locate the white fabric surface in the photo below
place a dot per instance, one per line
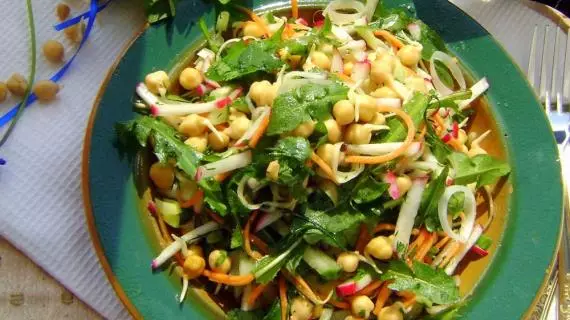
(41, 206)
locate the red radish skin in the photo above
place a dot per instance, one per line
(351, 287)
(446, 138)
(479, 251)
(455, 129)
(151, 206)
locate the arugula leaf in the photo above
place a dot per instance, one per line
(482, 169)
(236, 240)
(429, 285)
(430, 199)
(267, 267)
(168, 145)
(274, 312)
(295, 259)
(314, 101)
(292, 147)
(368, 189)
(415, 108)
(430, 40)
(215, 41)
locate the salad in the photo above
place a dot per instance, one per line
(318, 165)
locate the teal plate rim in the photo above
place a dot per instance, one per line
(530, 240)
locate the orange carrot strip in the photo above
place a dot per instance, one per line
(222, 176)
(196, 197)
(422, 133)
(409, 302)
(344, 77)
(381, 299)
(214, 216)
(259, 132)
(233, 280)
(396, 153)
(255, 293)
(255, 18)
(438, 120)
(283, 297)
(262, 246)
(419, 240)
(455, 144)
(324, 166)
(294, 9)
(452, 252)
(363, 238)
(246, 240)
(425, 247)
(384, 227)
(395, 42)
(340, 304)
(442, 242)
(406, 294)
(371, 288)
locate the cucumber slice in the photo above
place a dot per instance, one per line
(170, 211)
(322, 263)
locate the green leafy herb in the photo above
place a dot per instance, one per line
(267, 268)
(236, 240)
(430, 199)
(320, 134)
(415, 108)
(214, 40)
(481, 169)
(455, 205)
(368, 189)
(292, 147)
(484, 242)
(430, 40)
(429, 285)
(312, 101)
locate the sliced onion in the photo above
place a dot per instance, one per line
(148, 97)
(354, 45)
(469, 208)
(360, 71)
(475, 234)
(337, 65)
(389, 102)
(342, 35)
(264, 113)
(224, 45)
(241, 196)
(376, 149)
(182, 109)
(249, 103)
(401, 90)
(184, 289)
(339, 18)
(450, 63)
(230, 163)
(408, 213)
(476, 90)
(370, 8)
(206, 54)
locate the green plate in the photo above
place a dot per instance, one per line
(529, 242)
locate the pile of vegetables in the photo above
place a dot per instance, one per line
(318, 169)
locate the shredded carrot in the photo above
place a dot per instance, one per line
(425, 247)
(214, 216)
(419, 240)
(222, 176)
(344, 77)
(324, 166)
(409, 302)
(232, 280)
(452, 252)
(396, 153)
(371, 288)
(255, 18)
(262, 246)
(283, 297)
(422, 133)
(255, 293)
(246, 240)
(259, 132)
(395, 42)
(288, 32)
(382, 298)
(221, 126)
(406, 294)
(363, 238)
(294, 9)
(340, 304)
(455, 144)
(384, 227)
(196, 197)
(439, 121)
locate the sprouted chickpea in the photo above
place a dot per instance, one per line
(362, 306)
(3, 91)
(253, 29)
(17, 84)
(390, 313)
(219, 261)
(62, 11)
(380, 248)
(75, 32)
(45, 90)
(348, 261)
(301, 309)
(190, 78)
(162, 175)
(53, 51)
(194, 265)
(157, 82)
(343, 112)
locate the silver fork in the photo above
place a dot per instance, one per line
(559, 117)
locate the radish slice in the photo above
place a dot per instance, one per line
(389, 102)
(189, 237)
(393, 190)
(182, 109)
(211, 83)
(148, 97)
(407, 215)
(354, 45)
(452, 65)
(469, 207)
(476, 90)
(375, 149)
(475, 234)
(401, 90)
(479, 251)
(337, 65)
(370, 8)
(267, 218)
(264, 113)
(360, 71)
(335, 8)
(352, 286)
(415, 31)
(230, 163)
(341, 34)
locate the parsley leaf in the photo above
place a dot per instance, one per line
(368, 189)
(236, 240)
(292, 147)
(482, 169)
(429, 285)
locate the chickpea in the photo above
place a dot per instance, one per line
(325, 152)
(347, 68)
(45, 90)
(367, 108)
(253, 29)
(198, 143)
(219, 261)
(234, 114)
(343, 112)
(17, 84)
(327, 48)
(301, 309)
(157, 82)
(404, 184)
(379, 119)
(362, 306)
(380, 248)
(272, 172)
(384, 92)
(409, 55)
(162, 175)
(304, 130)
(192, 125)
(3, 91)
(321, 60)
(53, 51)
(357, 134)
(381, 71)
(262, 93)
(218, 141)
(333, 131)
(190, 78)
(416, 84)
(238, 127)
(194, 265)
(390, 313)
(348, 261)
(62, 11)
(196, 249)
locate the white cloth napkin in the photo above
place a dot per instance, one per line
(41, 205)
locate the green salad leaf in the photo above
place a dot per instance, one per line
(482, 169)
(292, 147)
(368, 189)
(415, 108)
(430, 285)
(428, 207)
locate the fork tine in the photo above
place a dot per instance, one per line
(566, 81)
(543, 73)
(553, 88)
(531, 70)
